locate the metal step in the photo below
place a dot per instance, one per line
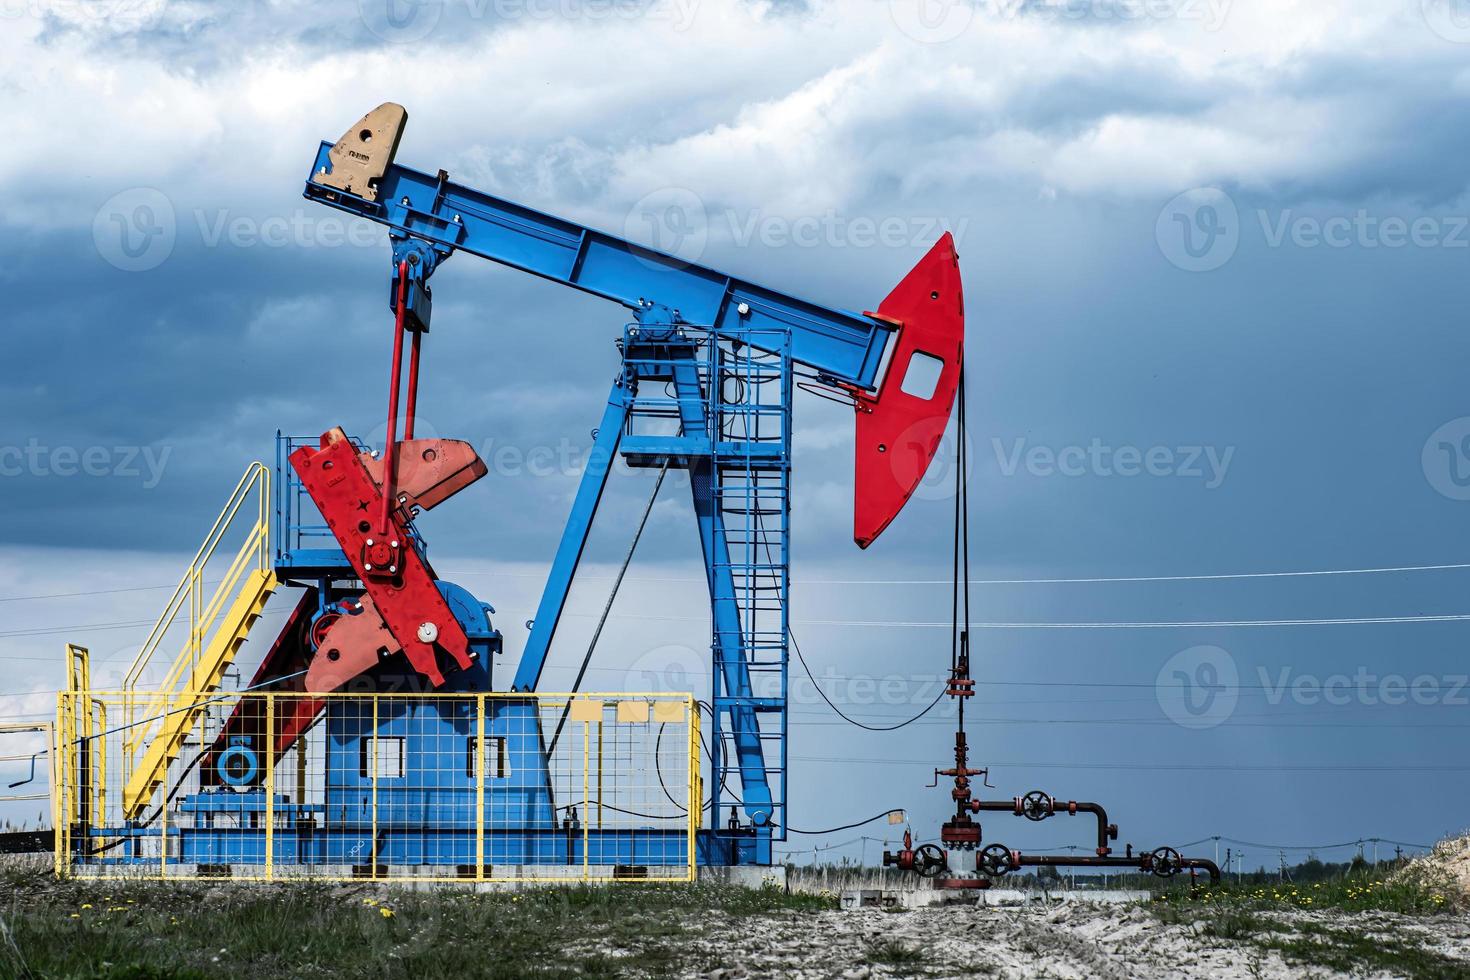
(185, 707)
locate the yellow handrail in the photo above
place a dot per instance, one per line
(250, 571)
(254, 551)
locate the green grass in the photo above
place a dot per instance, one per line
(1249, 914)
(895, 954)
(178, 931)
(1357, 891)
(1350, 951)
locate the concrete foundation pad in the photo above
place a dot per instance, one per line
(746, 876)
(917, 898)
(412, 877)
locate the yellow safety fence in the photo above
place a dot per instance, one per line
(482, 787)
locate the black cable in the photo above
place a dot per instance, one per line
(607, 608)
(632, 813)
(954, 579)
(770, 559)
(838, 711)
(962, 531)
(149, 820)
(807, 668)
(846, 826)
(659, 771)
(179, 780)
(709, 753)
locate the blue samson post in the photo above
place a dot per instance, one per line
(696, 331)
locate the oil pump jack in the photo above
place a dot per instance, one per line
(709, 366)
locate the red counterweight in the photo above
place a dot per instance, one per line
(403, 609)
(899, 429)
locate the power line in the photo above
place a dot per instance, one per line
(1181, 847)
(868, 624)
(92, 592)
(836, 581)
(1387, 569)
(76, 628)
(1198, 624)
(93, 627)
(1194, 624)
(1318, 847)
(1201, 624)
(1162, 766)
(1144, 578)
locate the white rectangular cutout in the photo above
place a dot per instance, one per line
(922, 376)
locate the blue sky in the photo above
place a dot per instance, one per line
(1214, 259)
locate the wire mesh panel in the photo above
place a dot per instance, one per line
(437, 786)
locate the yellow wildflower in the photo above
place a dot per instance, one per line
(386, 913)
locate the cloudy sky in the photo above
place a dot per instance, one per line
(1214, 256)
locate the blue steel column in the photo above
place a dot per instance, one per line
(729, 651)
(574, 536)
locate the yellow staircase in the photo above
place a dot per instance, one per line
(218, 622)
